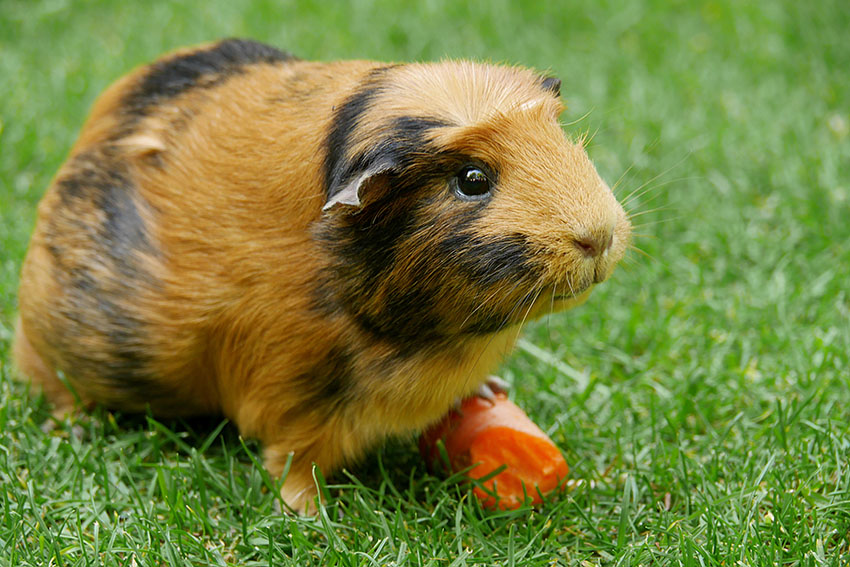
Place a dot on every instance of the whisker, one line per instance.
(636, 197)
(657, 222)
(588, 141)
(551, 310)
(628, 264)
(527, 312)
(493, 294)
(636, 203)
(577, 120)
(572, 291)
(504, 324)
(647, 191)
(647, 254)
(650, 211)
(633, 197)
(665, 172)
(620, 179)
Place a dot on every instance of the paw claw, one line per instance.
(484, 391)
(497, 384)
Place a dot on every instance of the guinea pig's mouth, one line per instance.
(578, 285)
(573, 293)
(563, 301)
(570, 296)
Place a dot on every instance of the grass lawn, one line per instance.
(702, 396)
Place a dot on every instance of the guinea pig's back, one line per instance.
(192, 186)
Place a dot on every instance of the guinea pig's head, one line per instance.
(456, 205)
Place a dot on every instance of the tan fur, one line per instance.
(229, 183)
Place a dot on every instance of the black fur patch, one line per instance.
(345, 121)
(488, 321)
(409, 131)
(364, 256)
(402, 147)
(367, 241)
(407, 317)
(399, 148)
(102, 182)
(367, 244)
(199, 69)
(95, 239)
(330, 381)
(492, 260)
(407, 320)
(404, 143)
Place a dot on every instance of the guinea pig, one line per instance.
(325, 253)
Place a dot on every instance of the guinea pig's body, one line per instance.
(326, 253)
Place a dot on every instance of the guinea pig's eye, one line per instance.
(471, 184)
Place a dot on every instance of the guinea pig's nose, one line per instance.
(594, 244)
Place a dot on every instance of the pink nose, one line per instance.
(594, 244)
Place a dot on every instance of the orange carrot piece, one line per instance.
(492, 434)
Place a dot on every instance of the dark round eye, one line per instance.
(472, 183)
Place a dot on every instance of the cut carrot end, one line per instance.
(491, 435)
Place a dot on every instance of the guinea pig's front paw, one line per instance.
(299, 495)
(299, 488)
(494, 385)
(488, 390)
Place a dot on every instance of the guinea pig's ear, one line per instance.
(363, 187)
(552, 84)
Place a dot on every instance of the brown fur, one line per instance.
(182, 258)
